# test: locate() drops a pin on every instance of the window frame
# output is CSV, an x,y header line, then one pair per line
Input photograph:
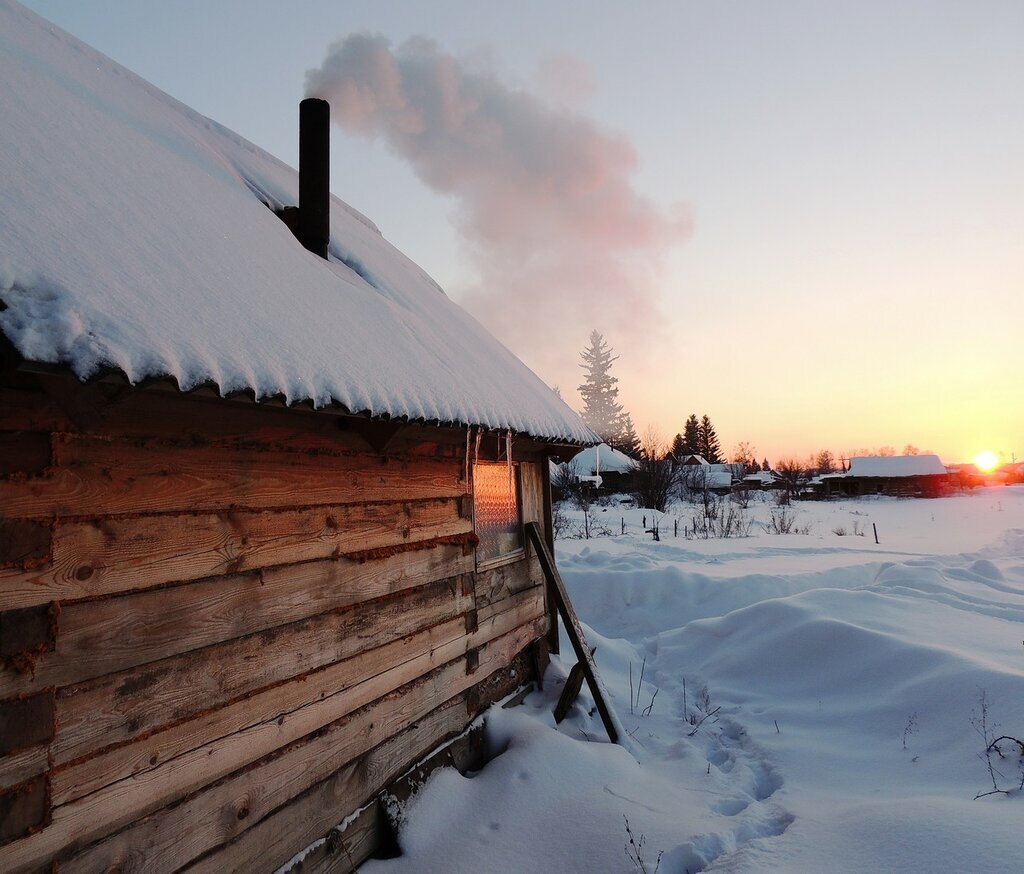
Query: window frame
x,y
519,553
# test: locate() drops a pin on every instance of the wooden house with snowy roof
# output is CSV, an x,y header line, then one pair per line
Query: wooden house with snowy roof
x,y
901,475
261,511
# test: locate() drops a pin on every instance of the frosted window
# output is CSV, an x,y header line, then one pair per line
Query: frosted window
x,y
496,512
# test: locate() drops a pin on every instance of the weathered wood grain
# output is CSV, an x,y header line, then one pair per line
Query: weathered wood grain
x,y
17,767
107,635
56,403
327,695
332,691
169,838
116,708
530,490
278,837
104,556
96,477
501,582
342,853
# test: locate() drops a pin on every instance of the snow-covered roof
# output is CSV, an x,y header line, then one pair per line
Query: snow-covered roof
x,y
135,236
694,459
896,465
705,477
602,458
765,477
719,479
733,468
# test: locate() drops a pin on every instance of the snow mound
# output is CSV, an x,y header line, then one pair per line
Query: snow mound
x,y
789,704
601,459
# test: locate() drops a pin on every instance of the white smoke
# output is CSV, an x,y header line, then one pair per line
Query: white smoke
x,y
560,241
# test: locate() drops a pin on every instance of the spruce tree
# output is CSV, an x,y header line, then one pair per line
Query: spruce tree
x,y
691,435
710,447
601,409
764,465
678,449
628,441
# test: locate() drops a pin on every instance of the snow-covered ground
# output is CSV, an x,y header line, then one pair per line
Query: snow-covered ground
x,y
814,704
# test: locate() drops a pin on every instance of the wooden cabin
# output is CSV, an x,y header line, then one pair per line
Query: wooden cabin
x,y
895,475
261,513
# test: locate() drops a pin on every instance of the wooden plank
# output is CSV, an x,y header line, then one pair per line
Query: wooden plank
x,y
276,839
108,555
22,765
344,851
573,627
108,635
501,582
28,630
22,809
23,542
25,722
96,477
548,529
530,485
180,833
329,695
570,692
176,835
326,694
61,403
116,708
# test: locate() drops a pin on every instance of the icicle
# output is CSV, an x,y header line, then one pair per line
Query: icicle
x,y
508,461
469,431
476,450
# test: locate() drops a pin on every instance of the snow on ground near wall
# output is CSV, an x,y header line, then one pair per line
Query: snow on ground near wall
x,y
847,676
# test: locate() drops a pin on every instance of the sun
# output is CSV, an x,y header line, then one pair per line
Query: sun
x,y
986,461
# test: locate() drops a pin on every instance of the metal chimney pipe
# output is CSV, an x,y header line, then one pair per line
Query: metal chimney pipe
x,y
315,175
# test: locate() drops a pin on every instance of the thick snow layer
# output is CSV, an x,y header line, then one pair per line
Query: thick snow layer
x,y
840,679
602,459
896,465
134,235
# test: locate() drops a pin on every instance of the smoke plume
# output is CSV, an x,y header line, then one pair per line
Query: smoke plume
x,y
560,241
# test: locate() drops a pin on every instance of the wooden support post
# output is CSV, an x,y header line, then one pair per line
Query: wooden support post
x,y
572,626
549,530
570,691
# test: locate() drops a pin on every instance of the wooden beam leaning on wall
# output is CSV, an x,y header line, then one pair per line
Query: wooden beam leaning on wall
x,y
557,590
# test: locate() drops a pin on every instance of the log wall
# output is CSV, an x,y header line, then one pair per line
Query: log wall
x,y
224,627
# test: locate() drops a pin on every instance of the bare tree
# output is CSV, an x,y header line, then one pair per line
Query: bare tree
x,y
825,462
567,485
746,454
654,477
792,475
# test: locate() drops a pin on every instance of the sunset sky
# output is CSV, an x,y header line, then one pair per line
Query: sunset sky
x,y
805,219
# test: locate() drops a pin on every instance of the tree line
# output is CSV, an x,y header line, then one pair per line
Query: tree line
x,y
605,415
